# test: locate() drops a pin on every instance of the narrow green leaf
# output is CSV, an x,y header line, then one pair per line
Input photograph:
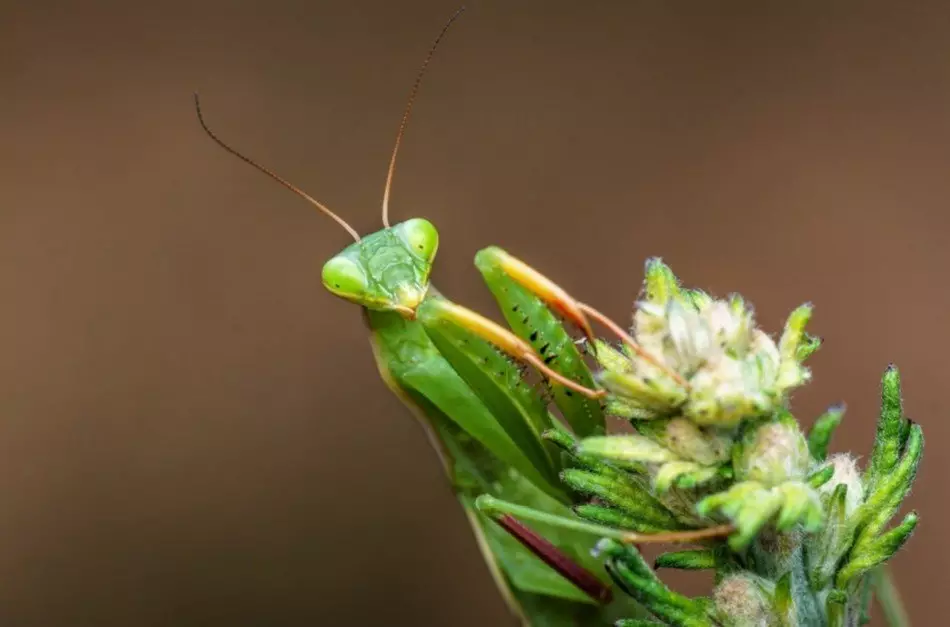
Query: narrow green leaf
x,y
697,559
627,497
809,345
881,505
887,443
784,604
820,434
626,448
867,556
561,438
833,541
821,476
612,517
837,608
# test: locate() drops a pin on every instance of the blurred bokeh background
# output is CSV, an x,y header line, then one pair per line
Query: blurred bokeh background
x,y
193,431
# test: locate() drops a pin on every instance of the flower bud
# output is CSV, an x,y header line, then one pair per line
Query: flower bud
x,y
742,601
845,472
773,452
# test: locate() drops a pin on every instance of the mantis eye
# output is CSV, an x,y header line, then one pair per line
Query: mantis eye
x,y
421,237
344,277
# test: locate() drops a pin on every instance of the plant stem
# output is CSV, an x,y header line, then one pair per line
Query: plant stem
x,y
889,598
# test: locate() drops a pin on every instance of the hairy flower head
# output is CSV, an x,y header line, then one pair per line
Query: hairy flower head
x,y
708,360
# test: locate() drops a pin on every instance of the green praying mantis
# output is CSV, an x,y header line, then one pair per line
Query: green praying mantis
x,y
465,378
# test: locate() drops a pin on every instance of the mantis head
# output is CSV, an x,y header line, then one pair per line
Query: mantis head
x,y
387,270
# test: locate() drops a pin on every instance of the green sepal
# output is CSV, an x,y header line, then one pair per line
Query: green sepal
x,y
808,346
752,517
790,372
685,475
801,504
610,358
821,476
659,284
655,396
794,332
821,432
751,505
695,297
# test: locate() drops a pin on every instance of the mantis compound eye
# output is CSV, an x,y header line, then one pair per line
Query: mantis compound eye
x,y
344,277
421,237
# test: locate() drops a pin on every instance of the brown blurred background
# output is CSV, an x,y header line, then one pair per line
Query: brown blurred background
x,y
193,430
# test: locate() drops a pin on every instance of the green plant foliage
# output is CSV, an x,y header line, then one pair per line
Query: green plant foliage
x,y
714,445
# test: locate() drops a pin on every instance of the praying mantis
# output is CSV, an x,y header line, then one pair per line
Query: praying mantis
x,y
464,378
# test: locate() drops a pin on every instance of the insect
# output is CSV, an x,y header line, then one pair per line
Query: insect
x,y
462,375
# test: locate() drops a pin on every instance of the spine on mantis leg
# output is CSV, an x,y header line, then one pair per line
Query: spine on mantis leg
x,y
531,320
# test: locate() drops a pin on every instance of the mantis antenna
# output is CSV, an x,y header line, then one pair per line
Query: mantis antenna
x,y
405,115
316,203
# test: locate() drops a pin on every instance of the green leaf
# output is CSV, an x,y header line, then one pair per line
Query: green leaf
x,y
616,518
624,495
628,569
784,604
697,559
881,505
890,427
821,476
837,608
874,553
820,434
626,448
